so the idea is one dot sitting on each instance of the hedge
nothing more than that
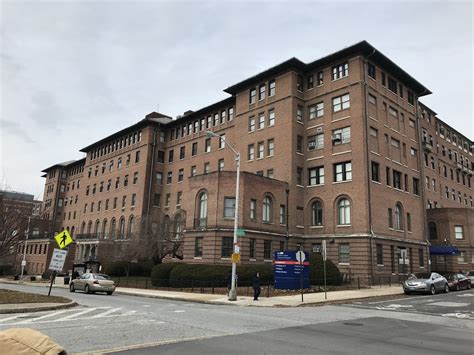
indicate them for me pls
(160, 274)
(119, 268)
(316, 271)
(6, 270)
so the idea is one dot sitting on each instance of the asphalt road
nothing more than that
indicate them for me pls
(145, 325)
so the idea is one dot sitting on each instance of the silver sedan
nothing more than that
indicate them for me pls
(90, 283)
(426, 283)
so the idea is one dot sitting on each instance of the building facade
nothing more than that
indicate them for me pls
(330, 150)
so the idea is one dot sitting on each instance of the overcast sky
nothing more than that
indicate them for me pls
(73, 72)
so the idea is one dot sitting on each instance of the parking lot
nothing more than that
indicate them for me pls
(454, 304)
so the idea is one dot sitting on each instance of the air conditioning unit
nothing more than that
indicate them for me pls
(311, 145)
(319, 129)
(336, 138)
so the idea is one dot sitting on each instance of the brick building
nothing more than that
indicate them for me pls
(330, 150)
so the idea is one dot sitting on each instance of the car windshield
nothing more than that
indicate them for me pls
(101, 277)
(450, 276)
(421, 275)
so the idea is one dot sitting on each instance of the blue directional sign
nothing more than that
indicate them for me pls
(288, 270)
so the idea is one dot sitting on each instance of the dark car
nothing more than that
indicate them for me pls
(470, 276)
(457, 281)
(426, 282)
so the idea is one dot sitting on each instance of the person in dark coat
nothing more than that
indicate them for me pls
(256, 286)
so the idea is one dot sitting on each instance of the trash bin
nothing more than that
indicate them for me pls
(32, 278)
(66, 280)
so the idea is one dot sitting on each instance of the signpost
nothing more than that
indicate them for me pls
(324, 267)
(57, 263)
(301, 257)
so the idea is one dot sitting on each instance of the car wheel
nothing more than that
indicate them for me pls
(469, 286)
(110, 292)
(433, 290)
(446, 288)
(71, 288)
(457, 287)
(86, 289)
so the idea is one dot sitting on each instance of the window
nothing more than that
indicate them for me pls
(134, 198)
(271, 118)
(137, 157)
(207, 145)
(458, 232)
(344, 253)
(252, 96)
(267, 249)
(170, 156)
(397, 179)
(231, 114)
(343, 212)
(299, 83)
(207, 168)
(260, 150)
(161, 156)
(316, 142)
(159, 178)
(343, 171)
(223, 116)
(409, 222)
(261, 92)
(271, 88)
(169, 177)
(167, 200)
(179, 198)
(267, 216)
(392, 85)
(398, 217)
(316, 176)
(252, 246)
(251, 152)
(182, 152)
(317, 213)
(202, 213)
(390, 218)
(251, 123)
(124, 201)
(299, 113)
(375, 168)
(282, 214)
(421, 258)
(411, 98)
(416, 186)
(227, 247)
(156, 200)
(194, 149)
(220, 165)
(180, 175)
(372, 99)
(299, 176)
(379, 250)
(316, 110)
(340, 103)
(371, 70)
(253, 210)
(319, 78)
(229, 207)
(115, 202)
(261, 121)
(198, 247)
(310, 81)
(222, 141)
(340, 71)
(299, 144)
(117, 182)
(341, 136)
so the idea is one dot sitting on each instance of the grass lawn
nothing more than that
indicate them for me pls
(7, 296)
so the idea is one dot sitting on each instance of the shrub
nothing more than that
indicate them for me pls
(160, 274)
(119, 268)
(316, 271)
(6, 270)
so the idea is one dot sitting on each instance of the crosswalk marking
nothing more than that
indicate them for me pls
(30, 320)
(106, 313)
(75, 315)
(10, 318)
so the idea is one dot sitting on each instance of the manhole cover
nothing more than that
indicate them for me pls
(354, 324)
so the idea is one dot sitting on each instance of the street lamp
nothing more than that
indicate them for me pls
(23, 262)
(233, 291)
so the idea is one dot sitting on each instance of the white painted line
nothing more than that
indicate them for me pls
(72, 316)
(393, 300)
(179, 311)
(110, 311)
(31, 320)
(466, 295)
(449, 304)
(10, 318)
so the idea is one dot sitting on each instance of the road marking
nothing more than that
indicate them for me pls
(394, 307)
(146, 306)
(10, 318)
(458, 315)
(179, 311)
(31, 320)
(448, 304)
(395, 300)
(75, 315)
(106, 313)
(466, 295)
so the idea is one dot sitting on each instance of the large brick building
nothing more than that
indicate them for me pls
(330, 150)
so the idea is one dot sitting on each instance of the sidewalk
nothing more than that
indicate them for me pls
(279, 301)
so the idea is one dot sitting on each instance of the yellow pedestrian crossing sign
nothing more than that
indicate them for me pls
(63, 239)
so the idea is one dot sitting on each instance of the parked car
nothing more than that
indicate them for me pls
(457, 281)
(470, 276)
(90, 283)
(426, 282)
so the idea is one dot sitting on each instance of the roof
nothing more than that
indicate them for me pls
(151, 118)
(194, 114)
(364, 48)
(59, 165)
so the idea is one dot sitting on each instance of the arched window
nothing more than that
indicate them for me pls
(89, 227)
(398, 216)
(267, 215)
(433, 231)
(83, 227)
(97, 228)
(122, 228)
(178, 226)
(113, 228)
(104, 229)
(72, 231)
(131, 227)
(343, 212)
(202, 213)
(317, 213)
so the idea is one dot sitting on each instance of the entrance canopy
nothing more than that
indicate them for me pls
(444, 250)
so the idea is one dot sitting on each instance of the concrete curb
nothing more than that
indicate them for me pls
(173, 298)
(37, 309)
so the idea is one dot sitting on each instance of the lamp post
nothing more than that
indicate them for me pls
(23, 262)
(233, 291)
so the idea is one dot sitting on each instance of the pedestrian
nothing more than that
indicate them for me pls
(256, 286)
(229, 281)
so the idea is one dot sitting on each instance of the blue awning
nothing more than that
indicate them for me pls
(444, 250)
